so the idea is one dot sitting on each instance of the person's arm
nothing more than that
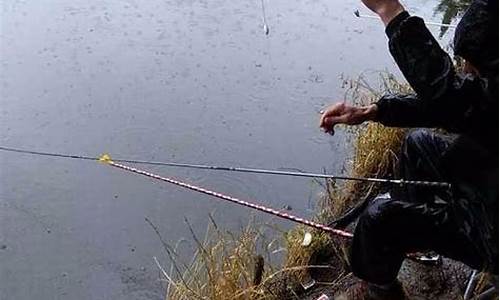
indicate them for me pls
(427, 68)
(398, 110)
(467, 106)
(341, 113)
(394, 110)
(445, 99)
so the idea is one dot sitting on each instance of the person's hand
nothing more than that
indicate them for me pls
(386, 9)
(341, 113)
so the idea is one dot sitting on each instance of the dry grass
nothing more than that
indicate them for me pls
(375, 147)
(375, 155)
(223, 267)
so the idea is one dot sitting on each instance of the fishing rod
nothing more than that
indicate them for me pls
(357, 14)
(434, 184)
(106, 159)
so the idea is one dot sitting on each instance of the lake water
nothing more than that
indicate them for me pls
(187, 81)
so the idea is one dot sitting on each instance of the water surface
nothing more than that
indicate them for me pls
(189, 81)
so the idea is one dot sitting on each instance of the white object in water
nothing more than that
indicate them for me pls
(266, 29)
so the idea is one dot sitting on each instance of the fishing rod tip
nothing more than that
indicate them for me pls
(105, 159)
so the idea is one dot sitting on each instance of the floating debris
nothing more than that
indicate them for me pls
(266, 29)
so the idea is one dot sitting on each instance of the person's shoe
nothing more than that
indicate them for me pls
(366, 291)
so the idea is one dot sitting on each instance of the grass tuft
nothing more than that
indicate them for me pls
(225, 266)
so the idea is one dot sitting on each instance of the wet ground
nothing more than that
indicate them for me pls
(190, 81)
(446, 281)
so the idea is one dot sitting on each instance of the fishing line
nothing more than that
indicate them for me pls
(264, 19)
(434, 184)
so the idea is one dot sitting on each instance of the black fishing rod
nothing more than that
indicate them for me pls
(242, 170)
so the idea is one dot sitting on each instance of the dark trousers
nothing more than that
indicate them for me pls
(412, 218)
